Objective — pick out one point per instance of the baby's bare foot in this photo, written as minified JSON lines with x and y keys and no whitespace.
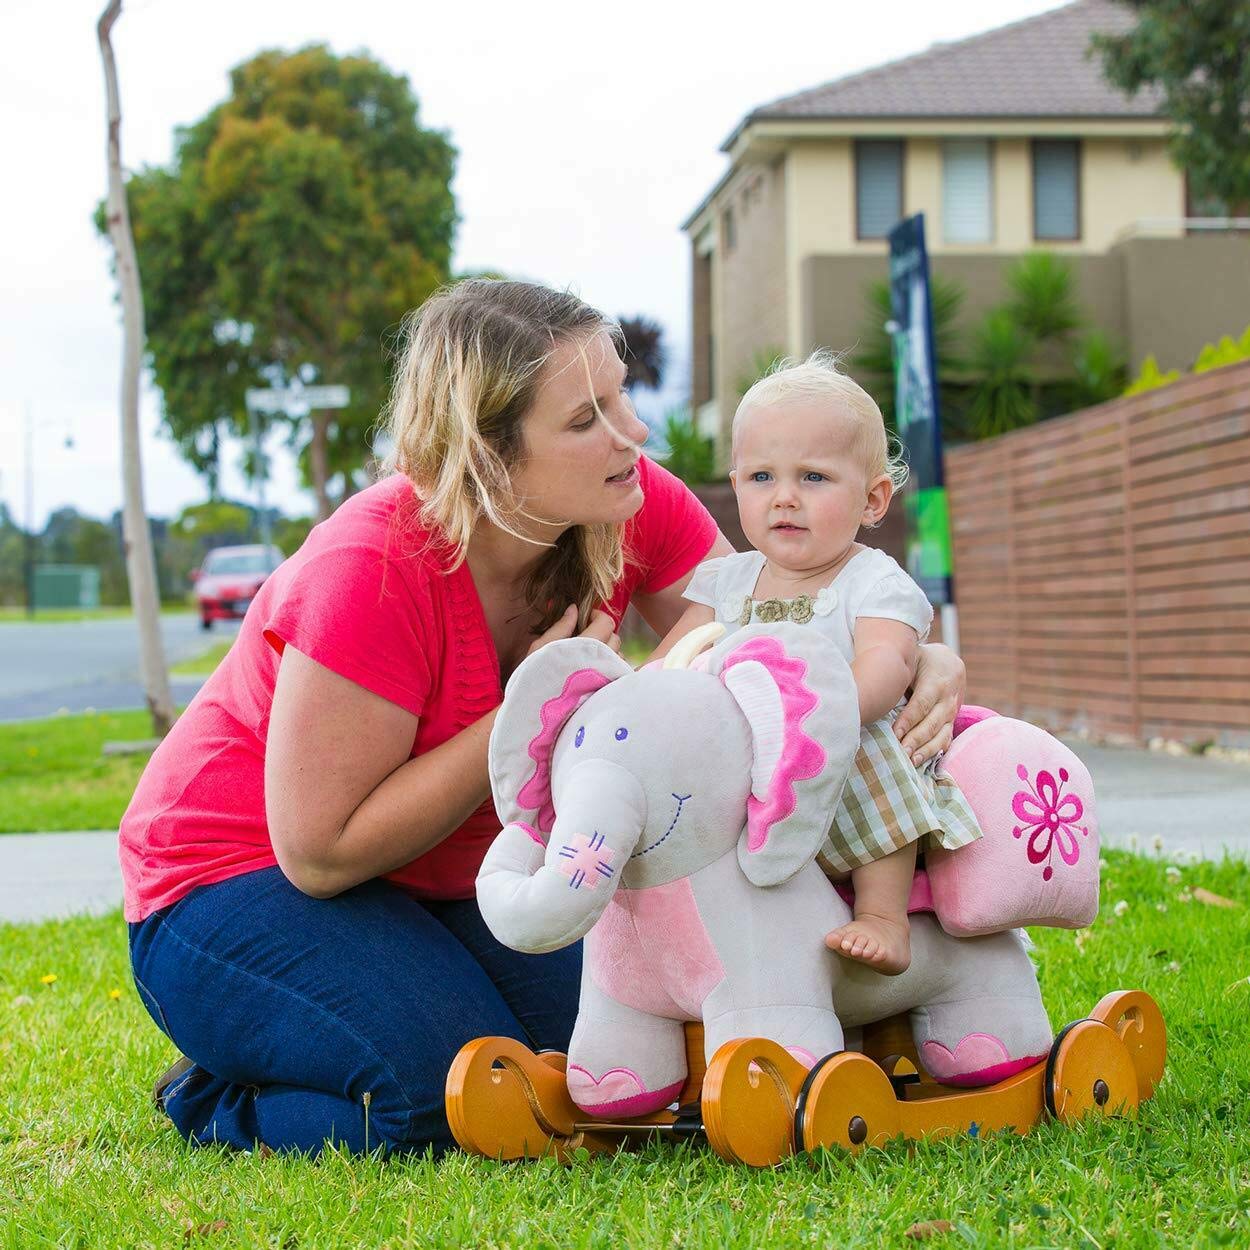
{"x":881,"y":942}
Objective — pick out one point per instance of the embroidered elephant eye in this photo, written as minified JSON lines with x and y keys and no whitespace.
{"x":580,"y":736}
{"x":622,"y":734}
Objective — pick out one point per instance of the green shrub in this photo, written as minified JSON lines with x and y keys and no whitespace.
{"x":1225,"y":352}
{"x":1100,"y":367}
{"x":691,"y":455}
{"x":1150,"y":377}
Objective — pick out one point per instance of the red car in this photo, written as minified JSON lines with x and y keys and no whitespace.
{"x":229,"y":580}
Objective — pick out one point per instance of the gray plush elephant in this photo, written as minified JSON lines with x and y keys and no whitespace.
{"x":671,"y":817}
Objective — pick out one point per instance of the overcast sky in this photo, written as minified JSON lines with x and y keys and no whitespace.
{"x":586,"y":132}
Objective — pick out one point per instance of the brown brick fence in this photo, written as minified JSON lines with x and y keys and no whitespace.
{"x":1102,"y":564}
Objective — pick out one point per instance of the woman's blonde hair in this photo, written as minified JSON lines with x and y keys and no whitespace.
{"x":472,"y":356}
{"x":820,"y":378}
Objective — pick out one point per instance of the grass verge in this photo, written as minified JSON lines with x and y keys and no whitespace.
{"x":202,"y":665}
{"x":53,"y":777}
{"x":85,"y":1160}
{"x":12,"y":615}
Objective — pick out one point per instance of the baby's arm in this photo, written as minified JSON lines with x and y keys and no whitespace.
{"x":695,"y":615}
{"x":886,"y":652}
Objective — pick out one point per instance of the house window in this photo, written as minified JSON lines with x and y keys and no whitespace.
{"x":967,"y":213}
{"x":1056,"y":189}
{"x":878,"y":187}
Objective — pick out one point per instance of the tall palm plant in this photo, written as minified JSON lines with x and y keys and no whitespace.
{"x":645,"y":354}
{"x":1000,"y":398}
{"x":1042,"y":301}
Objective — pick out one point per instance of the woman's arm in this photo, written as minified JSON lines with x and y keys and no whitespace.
{"x":925,"y":724}
{"x":343,"y":800}
{"x":666,"y":607}
{"x":696,"y":614}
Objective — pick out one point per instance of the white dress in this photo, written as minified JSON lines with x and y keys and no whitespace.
{"x":888,"y":803}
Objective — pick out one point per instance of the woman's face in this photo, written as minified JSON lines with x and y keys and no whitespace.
{"x":578,"y":469}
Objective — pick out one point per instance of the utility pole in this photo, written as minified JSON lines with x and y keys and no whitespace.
{"x":140,"y":561}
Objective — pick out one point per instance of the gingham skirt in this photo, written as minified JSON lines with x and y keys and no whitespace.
{"x":888,"y":803}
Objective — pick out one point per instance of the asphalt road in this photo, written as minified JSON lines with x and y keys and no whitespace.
{"x":90,"y":664}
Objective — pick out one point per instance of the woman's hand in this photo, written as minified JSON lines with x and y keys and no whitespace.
{"x":601,"y":627}
{"x":926,"y":723}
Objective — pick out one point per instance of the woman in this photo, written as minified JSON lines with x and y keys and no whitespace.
{"x":299,"y":856}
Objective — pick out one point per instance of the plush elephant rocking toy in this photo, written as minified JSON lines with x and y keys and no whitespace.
{"x":672,"y":818}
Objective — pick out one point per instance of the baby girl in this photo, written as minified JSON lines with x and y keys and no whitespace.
{"x":810,"y":467}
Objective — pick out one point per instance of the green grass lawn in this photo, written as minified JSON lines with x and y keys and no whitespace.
{"x":44,"y":615}
{"x":202,"y":665}
{"x":53,"y":777}
{"x":85,"y":1160}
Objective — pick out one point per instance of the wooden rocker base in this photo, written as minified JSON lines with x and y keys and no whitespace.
{"x":756,"y":1104}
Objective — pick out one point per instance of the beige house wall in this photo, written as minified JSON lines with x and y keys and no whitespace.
{"x":795,"y":277}
{"x":1163,"y":296}
{"x":749,"y":293}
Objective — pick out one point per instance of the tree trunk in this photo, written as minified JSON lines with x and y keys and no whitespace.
{"x":318,"y":463}
{"x":140,"y":563}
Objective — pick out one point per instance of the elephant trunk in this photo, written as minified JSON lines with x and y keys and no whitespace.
{"x":538,"y":898}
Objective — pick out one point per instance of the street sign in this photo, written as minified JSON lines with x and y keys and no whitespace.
{"x":295,"y":400}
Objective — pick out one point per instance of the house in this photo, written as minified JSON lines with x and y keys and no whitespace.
{"x":1007,"y":142}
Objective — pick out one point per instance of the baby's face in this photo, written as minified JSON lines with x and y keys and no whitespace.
{"x":802,"y":488}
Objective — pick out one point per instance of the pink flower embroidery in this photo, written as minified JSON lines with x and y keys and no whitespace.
{"x":1049,"y":817}
{"x":584,"y":860}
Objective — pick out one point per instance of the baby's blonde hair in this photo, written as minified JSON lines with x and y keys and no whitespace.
{"x":819,"y":378}
{"x":471,"y":364}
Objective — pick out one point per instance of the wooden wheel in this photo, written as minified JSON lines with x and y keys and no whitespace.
{"x":1135,"y":1017}
{"x":846,"y":1101}
{"x":749,"y":1092}
{"x":505,"y":1102}
{"x":1089,"y":1071}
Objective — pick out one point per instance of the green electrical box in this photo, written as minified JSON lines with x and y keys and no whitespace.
{"x":66,"y":586}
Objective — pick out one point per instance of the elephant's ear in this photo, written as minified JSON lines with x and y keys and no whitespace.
{"x":544,"y":691}
{"x":799,"y":699}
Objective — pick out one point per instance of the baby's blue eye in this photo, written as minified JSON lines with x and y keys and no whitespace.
{"x":622,"y":734}
{"x":580,"y":736}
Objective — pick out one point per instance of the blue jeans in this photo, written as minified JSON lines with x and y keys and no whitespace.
{"x":299,"y":1011}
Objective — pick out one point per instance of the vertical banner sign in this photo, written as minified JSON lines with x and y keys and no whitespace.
{"x":916,"y":409}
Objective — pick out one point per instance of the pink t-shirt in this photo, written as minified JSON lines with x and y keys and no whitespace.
{"x":367,"y":597}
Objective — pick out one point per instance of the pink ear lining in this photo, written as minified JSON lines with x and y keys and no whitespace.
{"x":535,"y":794}
{"x":802,"y":757}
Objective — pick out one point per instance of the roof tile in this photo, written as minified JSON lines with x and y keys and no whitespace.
{"x":1038,"y":67}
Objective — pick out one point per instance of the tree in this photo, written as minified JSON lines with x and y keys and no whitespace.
{"x":140,"y":563}
{"x":1194,"y":53}
{"x":297,"y":223}
{"x":72,"y":538}
{"x":645,"y":356}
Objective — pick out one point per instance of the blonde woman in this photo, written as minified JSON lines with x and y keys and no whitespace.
{"x":299,"y":855}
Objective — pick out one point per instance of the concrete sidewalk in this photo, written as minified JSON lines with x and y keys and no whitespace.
{"x":1196,"y":805}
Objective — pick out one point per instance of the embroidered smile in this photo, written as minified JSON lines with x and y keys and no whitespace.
{"x":681,"y":799}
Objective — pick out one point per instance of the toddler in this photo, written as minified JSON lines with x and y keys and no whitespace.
{"x":810,"y":466}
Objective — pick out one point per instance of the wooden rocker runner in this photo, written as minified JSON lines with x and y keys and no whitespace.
{"x":756,"y":1104}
